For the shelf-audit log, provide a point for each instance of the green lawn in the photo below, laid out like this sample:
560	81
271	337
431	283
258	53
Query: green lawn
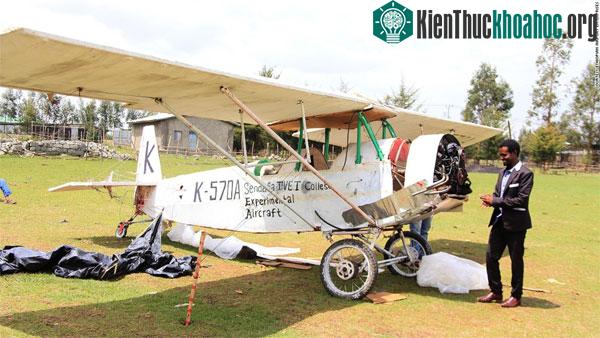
564	245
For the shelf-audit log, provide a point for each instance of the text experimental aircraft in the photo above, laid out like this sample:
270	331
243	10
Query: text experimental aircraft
378	183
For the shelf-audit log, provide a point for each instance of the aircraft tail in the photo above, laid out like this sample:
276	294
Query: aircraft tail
148	165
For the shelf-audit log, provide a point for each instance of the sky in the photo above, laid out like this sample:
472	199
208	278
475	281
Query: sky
312	43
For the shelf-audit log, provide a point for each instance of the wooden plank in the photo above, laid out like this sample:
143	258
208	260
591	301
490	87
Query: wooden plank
384	297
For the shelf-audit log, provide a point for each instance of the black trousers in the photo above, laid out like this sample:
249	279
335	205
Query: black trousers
501	238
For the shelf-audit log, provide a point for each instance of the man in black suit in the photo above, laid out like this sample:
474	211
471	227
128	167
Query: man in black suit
510	221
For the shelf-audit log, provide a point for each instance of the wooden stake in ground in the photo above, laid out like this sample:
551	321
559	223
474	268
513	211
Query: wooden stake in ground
188	319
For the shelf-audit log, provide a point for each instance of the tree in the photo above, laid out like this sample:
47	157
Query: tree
269	71
89	119
344	86
10	103
67	112
116	118
406	97
543	144
583	117
104	113
48	106
489	102
29	111
555	55
134	114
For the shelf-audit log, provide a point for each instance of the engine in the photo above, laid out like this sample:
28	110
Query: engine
430	157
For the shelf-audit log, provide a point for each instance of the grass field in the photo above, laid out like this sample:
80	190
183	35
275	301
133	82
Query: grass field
563	246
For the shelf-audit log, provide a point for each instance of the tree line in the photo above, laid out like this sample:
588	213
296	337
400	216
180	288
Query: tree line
97	117
548	130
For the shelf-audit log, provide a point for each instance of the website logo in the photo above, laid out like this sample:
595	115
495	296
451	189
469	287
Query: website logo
392	22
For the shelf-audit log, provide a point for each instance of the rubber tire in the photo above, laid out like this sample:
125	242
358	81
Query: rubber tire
325	270
410	235
122	234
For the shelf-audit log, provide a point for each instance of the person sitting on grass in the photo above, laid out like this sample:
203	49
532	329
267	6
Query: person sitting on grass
6	191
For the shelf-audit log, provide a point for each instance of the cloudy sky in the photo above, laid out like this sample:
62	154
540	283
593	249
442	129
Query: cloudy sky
313	43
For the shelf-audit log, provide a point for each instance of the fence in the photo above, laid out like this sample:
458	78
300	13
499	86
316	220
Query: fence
122	137
50	131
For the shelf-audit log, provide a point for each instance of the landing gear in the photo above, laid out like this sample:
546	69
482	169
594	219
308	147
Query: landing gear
348	269
409	245
121	231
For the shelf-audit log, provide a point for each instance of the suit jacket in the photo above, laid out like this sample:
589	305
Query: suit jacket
515	201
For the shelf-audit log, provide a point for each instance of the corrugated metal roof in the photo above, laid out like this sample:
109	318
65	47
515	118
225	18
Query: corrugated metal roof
152	118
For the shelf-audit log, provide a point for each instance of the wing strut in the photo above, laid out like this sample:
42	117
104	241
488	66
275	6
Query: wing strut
243	137
231	158
287	147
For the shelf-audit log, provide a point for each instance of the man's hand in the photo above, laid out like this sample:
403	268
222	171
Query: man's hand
486	200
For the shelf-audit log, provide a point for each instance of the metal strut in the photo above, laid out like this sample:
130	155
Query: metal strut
243	136
230	157
287	147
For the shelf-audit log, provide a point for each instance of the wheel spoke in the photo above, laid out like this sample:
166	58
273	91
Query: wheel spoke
348	269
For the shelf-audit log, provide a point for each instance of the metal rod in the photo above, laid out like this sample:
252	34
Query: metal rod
231	158
371	134
243	136
327	132
389	127
358	157
188	318
300	136
251	165
277	138
301	103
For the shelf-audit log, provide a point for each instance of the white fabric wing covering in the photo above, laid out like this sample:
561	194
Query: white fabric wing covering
43	62
226	248
451	274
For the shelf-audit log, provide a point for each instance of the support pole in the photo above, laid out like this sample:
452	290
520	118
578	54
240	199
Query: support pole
243	136
274	135
388	126
298	166
327	132
371	134
301	103
232	158
188	318
358	158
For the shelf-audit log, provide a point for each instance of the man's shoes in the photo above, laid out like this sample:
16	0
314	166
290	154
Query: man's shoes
9	201
490	297
511	302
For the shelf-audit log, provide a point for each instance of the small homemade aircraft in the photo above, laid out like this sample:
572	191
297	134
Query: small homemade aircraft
374	187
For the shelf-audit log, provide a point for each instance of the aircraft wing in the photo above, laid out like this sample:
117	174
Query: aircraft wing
407	125
42	62
94	185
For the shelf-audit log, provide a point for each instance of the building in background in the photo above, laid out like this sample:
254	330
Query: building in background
174	136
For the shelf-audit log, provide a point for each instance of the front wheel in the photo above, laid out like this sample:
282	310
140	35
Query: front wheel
348	269
412	247
121	230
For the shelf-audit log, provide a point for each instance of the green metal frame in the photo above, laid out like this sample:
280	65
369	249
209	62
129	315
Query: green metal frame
362	122
387	127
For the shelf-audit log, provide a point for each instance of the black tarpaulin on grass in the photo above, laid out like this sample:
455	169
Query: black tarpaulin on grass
142	255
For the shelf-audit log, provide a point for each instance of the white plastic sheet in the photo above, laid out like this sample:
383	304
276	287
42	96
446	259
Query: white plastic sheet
227	248
451	274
